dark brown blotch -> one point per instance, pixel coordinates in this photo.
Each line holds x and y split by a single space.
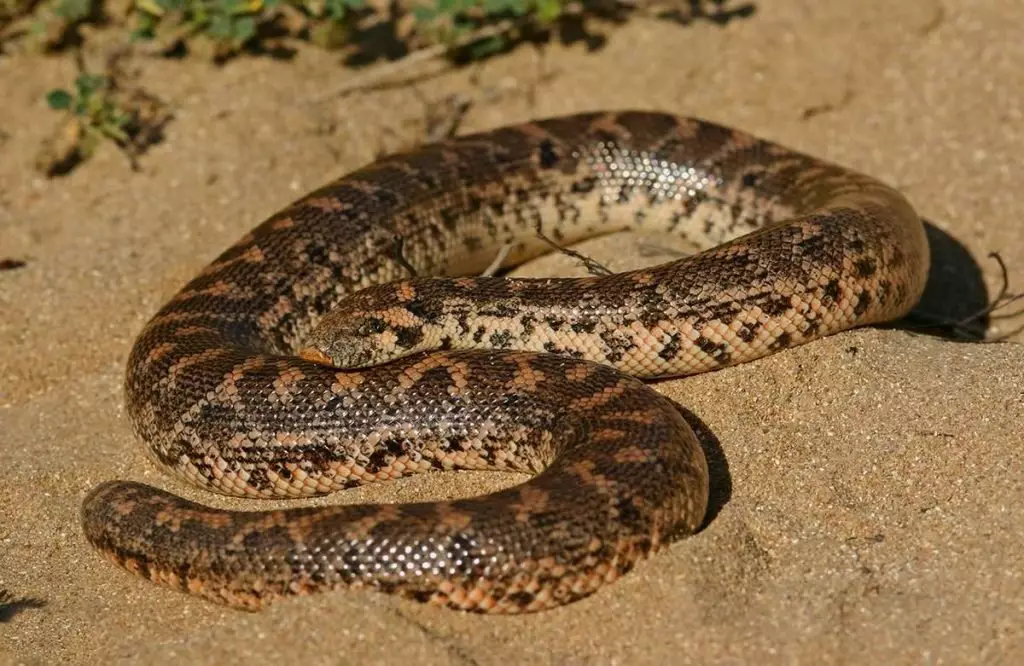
259 479
422 596
705 345
866 267
408 336
501 339
781 342
745 333
863 303
556 323
671 348
427 310
386 452
547 156
521 598
831 291
501 309
617 345
775 305
585 326
372 325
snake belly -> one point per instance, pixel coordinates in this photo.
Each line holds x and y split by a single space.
443 371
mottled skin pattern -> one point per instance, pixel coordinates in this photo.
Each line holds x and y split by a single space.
244 384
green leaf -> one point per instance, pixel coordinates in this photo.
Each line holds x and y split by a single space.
486 47
459 29
59 99
517 7
89 84
239 7
74 10
336 9
145 26
424 14
220 27
244 29
548 10
90 139
329 34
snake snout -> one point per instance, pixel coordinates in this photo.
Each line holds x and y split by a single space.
347 342
370 327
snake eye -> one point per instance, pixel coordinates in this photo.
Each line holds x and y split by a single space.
371 326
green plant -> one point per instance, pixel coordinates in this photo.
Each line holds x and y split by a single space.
457 21
230 22
45 24
228 25
10 9
93 108
470 29
75 10
98 109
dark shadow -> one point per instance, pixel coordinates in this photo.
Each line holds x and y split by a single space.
11 606
719 478
381 42
66 34
269 41
955 292
721 12
145 129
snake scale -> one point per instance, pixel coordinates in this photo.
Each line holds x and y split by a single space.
306 359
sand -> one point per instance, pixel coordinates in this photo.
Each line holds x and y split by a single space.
867 488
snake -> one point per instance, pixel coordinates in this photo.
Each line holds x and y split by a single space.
356 336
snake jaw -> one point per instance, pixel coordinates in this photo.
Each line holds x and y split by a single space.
314 355
369 327
341 350
361 340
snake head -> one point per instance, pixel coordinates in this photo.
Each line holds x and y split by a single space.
370 327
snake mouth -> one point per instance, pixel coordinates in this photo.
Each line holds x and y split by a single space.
314 355
341 350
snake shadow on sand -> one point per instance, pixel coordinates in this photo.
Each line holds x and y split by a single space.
955 292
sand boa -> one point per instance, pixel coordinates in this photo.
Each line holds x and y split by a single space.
529 375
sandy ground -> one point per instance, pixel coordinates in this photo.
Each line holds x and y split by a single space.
868 489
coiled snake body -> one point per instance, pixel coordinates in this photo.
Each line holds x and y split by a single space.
413 374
